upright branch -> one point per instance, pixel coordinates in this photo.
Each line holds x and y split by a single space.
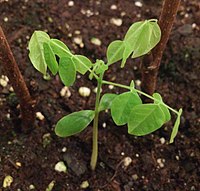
151 62
12 71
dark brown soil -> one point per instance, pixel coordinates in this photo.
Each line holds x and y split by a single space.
178 83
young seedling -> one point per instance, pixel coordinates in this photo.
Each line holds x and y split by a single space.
126 108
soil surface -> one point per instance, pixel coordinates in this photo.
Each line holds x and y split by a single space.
155 165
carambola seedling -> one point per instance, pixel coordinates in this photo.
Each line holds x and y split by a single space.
126 108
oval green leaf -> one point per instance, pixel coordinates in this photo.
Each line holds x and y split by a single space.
82 63
36 52
50 58
67 71
74 123
141 38
122 105
176 126
106 101
160 103
115 51
59 48
145 119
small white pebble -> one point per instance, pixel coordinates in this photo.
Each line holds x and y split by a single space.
8 115
116 21
96 41
7 181
194 25
5 78
11 89
69 35
64 92
71 3
60 167
78 40
5 19
138 83
64 149
123 14
135 177
162 140
50 19
122 153
104 125
3 83
137 155
19 164
89 13
113 7
67 26
111 87
84 91
31 187
39 116
161 162
83 11
77 32
84 184
98 2
138 15
177 157
138 4
27 37
81 45
135 67
96 13
186 15
192 154
127 161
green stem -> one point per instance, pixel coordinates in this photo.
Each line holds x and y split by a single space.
95 125
140 92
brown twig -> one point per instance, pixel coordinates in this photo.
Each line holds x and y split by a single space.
151 63
12 71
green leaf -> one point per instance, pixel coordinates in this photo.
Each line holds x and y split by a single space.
36 52
145 119
59 48
164 109
67 71
106 101
115 51
176 126
141 38
82 63
74 123
50 58
122 105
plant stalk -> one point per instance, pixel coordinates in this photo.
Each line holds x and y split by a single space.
16 79
94 156
151 62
